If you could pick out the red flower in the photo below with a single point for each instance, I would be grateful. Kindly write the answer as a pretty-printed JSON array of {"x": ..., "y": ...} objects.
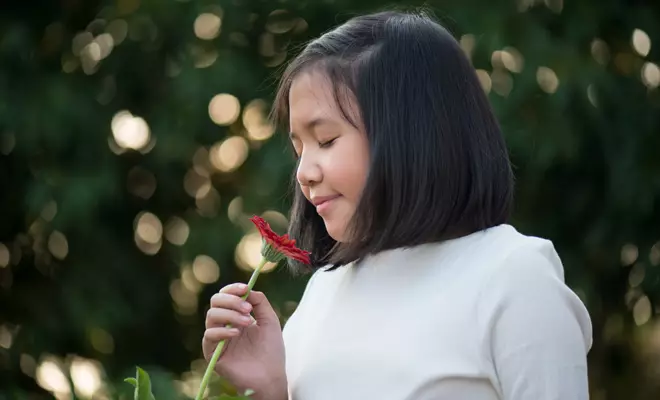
[{"x": 275, "y": 247}]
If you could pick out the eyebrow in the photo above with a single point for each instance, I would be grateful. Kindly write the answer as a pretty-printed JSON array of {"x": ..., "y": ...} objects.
[{"x": 311, "y": 125}]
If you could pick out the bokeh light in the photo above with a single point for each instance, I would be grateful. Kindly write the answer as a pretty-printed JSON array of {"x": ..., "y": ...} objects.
[
  {"x": 555, "y": 6},
  {"x": 177, "y": 231},
  {"x": 280, "y": 21},
  {"x": 185, "y": 299},
  {"x": 203, "y": 56},
  {"x": 629, "y": 254},
  {"x": 468, "y": 43},
  {"x": 49, "y": 211},
  {"x": 484, "y": 80},
  {"x": 224, "y": 109},
  {"x": 6, "y": 338},
  {"x": 50, "y": 376},
  {"x": 641, "y": 42},
  {"x": 101, "y": 340},
  {"x": 255, "y": 121},
  {"x": 201, "y": 163},
  {"x": 188, "y": 278},
  {"x": 5, "y": 256},
  {"x": 189, "y": 384},
  {"x": 591, "y": 95},
  {"x": 600, "y": 51},
  {"x": 149, "y": 227},
  {"x": 229, "y": 154},
  {"x": 58, "y": 245},
  {"x": 235, "y": 210},
  {"x": 28, "y": 365},
  {"x": 205, "y": 269},
  {"x": 651, "y": 75},
  {"x": 642, "y": 310},
  {"x": 502, "y": 83},
  {"x": 148, "y": 233},
  {"x": 267, "y": 44},
  {"x": 547, "y": 79},
  {"x": 248, "y": 253},
  {"x": 80, "y": 41},
  {"x": 654, "y": 254},
  {"x": 512, "y": 59},
  {"x": 130, "y": 132},
  {"x": 86, "y": 376},
  {"x": 195, "y": 184},
  {"x": 276, "y": 219},
  {"x": 118, "y": 29},
  {"x": 207, "y": 26},
  {"x": 208, "y": 203},
  {"x": 637, "y": 275}
]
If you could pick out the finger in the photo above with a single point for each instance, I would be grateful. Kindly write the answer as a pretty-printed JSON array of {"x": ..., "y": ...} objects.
[
  {"x": 237, "y": 289},
  {"x": 230, "y": 301},
  {"x": 219, "y": 317},
  {"x": 215, "y": 335},
  {"x": 262, "y": 309}
]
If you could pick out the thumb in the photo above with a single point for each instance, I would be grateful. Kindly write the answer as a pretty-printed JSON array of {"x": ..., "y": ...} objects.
[{"x": 262, "y": 310}]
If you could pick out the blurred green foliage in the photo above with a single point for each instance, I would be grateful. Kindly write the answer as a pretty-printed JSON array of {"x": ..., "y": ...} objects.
[{"x": 126, "y": 181}]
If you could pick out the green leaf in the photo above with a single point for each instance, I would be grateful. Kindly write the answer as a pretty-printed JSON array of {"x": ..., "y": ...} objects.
[
  {"x": 132, "y": 381},
  {"x": 143, "y": 388}
]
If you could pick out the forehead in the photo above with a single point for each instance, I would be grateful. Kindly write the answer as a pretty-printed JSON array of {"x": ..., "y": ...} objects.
[{"x": 311, "y": 97}]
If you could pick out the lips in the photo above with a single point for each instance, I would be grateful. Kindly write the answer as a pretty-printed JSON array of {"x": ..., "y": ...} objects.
[
  {"x": 323, "y": 203},
  {"x": 319, "y": 200}
]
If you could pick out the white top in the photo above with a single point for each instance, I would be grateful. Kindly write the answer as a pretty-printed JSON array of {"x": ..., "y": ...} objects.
[{"x": 484, "y": 317}]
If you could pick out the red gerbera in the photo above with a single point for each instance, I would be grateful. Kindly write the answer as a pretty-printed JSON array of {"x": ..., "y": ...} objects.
[{"x": 275, "y": 247}]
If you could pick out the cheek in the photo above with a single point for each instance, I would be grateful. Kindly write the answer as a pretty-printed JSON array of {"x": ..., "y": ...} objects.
[{"x": 350, "y": 177}]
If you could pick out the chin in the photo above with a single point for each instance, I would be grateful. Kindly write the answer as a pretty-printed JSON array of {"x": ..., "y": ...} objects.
[{"x": 335, "y": 232}]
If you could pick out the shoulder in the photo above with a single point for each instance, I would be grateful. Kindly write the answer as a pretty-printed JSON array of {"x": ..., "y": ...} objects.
[
  {"x": 523, "y": 287},
  {"x": 516, "y": 260},
  {"x": 525, "y": 311}
]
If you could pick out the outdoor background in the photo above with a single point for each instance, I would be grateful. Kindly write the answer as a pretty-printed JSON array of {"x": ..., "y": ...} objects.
[{"x": 133, "y": 150}]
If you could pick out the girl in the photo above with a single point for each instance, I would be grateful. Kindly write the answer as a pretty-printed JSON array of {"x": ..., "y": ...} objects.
[{"x": 422, "y": 290}]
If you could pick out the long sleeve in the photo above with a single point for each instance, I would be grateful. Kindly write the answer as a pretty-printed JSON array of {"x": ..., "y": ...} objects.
[{"x": 536, "y": 331}]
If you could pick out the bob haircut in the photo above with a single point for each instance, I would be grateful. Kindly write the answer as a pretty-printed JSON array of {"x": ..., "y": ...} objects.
[{"x": 439, "y": 167}]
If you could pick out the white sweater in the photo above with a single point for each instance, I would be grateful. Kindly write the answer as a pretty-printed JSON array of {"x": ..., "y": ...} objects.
[{"x": 484, "y": 317}]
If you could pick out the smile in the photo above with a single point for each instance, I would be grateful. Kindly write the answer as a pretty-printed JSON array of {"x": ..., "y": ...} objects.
[{"x": 325, "y": 204}]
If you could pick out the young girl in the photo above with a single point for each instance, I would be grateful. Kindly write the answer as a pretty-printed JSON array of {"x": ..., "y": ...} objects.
[{"x": 421, "y": 289}]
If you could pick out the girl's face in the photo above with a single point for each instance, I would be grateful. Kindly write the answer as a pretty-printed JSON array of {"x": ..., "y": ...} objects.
[{"x": 333, "y": 154}]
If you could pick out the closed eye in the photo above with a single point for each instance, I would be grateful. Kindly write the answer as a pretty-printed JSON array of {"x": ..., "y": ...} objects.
[{"x": 327, "y": 143}]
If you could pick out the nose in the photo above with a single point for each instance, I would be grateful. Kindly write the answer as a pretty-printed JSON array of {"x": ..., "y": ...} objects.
[{"x": 308, "y": 172}]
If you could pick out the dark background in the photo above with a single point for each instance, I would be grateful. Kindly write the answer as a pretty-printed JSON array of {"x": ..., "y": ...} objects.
[{"x": 126, "y": 185}]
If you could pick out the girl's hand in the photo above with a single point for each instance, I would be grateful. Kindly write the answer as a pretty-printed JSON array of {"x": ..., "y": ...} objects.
[{"x": 253, "y": 356}]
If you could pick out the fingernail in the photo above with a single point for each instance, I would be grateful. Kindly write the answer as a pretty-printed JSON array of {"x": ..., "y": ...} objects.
[
  {"x": 242, "y": 286},
  {"x": 246, "y": 319},
  {"x": 246, "y": 306}
]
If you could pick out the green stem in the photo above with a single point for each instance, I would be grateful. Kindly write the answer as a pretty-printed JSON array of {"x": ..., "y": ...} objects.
[{"x": 221, "y": 345}]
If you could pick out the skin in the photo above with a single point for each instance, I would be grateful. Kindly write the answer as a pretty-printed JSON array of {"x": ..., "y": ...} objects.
[
  {"x": 333, "y": 157},
  {"x": 333, "y": 154},
  {"x": 253, "y": 357}
]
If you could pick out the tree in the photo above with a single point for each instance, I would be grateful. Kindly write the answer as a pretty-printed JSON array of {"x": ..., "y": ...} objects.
[{"x": 133, "y": 148}]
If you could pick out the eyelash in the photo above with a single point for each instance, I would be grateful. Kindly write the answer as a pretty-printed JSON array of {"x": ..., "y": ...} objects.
[
  {"x": 322, "y": 145},
  {"x": 327, "y": 144}
]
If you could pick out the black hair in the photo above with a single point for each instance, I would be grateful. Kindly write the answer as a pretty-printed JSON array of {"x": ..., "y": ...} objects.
[{"x": 439, "y": 166}]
